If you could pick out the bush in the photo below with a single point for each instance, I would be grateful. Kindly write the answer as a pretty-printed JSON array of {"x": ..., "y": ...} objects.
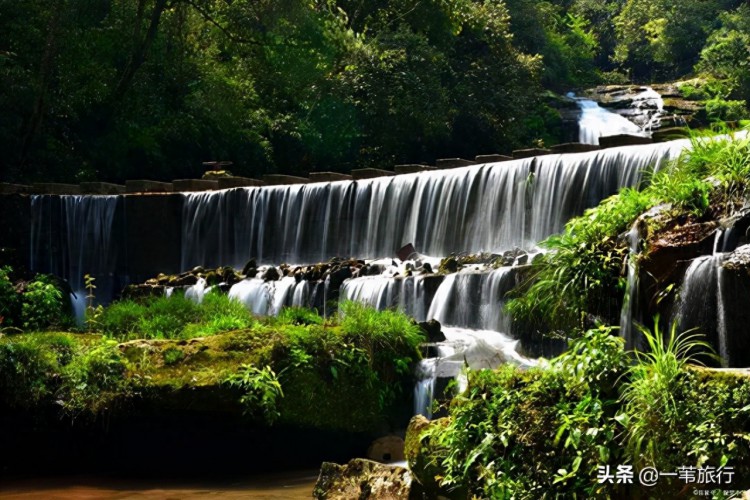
[
  {"x": 121, "y": 318},
  {"x": 42, "y": 304},
  {"x": 10, "y": 304},
  {"x": 261, "y": 390},
  {"x": 299, "y": 316},
  {"x": 719, "y": 109}
]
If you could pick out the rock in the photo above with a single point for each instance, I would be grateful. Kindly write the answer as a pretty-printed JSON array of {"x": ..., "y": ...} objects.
[
  {"x": 739, "y": 260},
  {"x": 250, "y": 267},
  {"x": 337, "y": 277},
  {"x": 448, "y": 265},
  {"x": 406, "y": 252},
  {"x": 426, "y": 268},
  {"x": 362, "y": 479},
  {"x": 386, "y": 449},
  {"x": 433, "y": 330},
  {"x": 271, "y": 274},
  {"x": 216, "y": 174}
]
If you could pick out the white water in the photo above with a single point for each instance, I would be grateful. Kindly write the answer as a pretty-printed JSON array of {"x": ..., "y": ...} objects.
[
  {"x": 382, "y": 292},
  {"x": 491, "y": 207},
  {"x": 631, "y": 290},
  {"x": 463, "y": 348},
  {"x": 596, "y": 121},
  {"x": 267, "y": 298}
]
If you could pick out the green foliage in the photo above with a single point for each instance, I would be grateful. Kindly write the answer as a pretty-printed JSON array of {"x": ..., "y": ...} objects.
[
  {"x": 10, "y": 302},
  {"x": 173, "y": 355},
  {"x": 121, "y": 318},
  {"x": 545, "y": 432},
  {"x": 42, "y": 304},
  {"x": 93, "y": 314},
  {"x": 719, "y": 109},
  {"x": 299, "y": 316},
  {"x": 261, "y": 390}
]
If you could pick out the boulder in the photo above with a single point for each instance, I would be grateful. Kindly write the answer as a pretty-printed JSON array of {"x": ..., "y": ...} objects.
[
  {"x": 386, "y": 449},
  {"x": 271, "y": 274},
  {"x": 433, "y": 330},
  {"x": 362, "y": 479},
  {"x": 250, "y": 269}
]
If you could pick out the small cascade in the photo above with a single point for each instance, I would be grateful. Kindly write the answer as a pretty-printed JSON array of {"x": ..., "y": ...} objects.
[
  {"x": 267, "y": 298},
  {"x": 646, "y": 109},
  {"x": 700, "y": 301},
  {"x": 197, "y": 292},
  {"x": 596, "y": 122},
  {"x": 631, "y": 290},
  {"x": 474, "y": 299},
  {"x": 463, "y": 347},
  {"x": 72, "y": 236},
  {"x": 407, "y": 294}
]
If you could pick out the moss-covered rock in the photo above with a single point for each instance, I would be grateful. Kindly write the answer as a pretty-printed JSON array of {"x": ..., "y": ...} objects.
[{"x": 362, "y": 479}]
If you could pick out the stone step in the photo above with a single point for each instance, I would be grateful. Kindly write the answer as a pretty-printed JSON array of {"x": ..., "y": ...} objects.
[
  {"x": 574, "y": 147},
  {"x": 101, "y": 188},
  {"x": 528, "y": 153},
  {"x": 54, "y": 188},
  {"x": 182, "y": 185},
  {"x": 492, "y": 158},
  {"x": 412, "y": 168},
  {"x": 445, "y": 163},
  {"x": 329, "y": 177},
  {"x": 613, "y": 141},
  {"x": 6, "y": 188},
  {"x": 146, "y": 186},
  {"x": 281, "y": 179},
  {"x": 370, "y": 173},
  {"x": 232, "y": 182}
]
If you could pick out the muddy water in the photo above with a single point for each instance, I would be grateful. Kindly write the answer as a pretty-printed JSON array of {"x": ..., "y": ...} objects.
[{"x": 290, "y": 485}]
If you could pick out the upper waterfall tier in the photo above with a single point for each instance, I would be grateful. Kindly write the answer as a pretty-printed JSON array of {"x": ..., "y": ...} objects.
[{"x": 487, "y": 207}]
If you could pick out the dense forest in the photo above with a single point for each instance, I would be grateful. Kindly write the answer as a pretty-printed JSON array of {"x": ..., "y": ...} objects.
[{"x": 115, "y": 89}]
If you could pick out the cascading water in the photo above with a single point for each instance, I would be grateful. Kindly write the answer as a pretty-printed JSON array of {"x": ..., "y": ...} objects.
[
  {"x": 490, "y": 207},
  {"x": 72, "y": 236},
  {"x": 596, "y": 121},
  {"x": 631, "y": 289},
  {"x": 267, "y": 298}
]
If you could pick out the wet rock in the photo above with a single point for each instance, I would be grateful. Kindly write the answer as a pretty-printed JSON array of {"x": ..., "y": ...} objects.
[
  {"x": 432, "y": 329},
  {"x": 448, "y": 265},
  {"x": 739, "y": 260},
  {"x": 184, "y": 280},
  {"x": 337, "y": 277},
  {"x": 362, "y": 479},
  {"x": 680, "y": 243},
  {"x": 426, "y": 268},
  {"x": 386, "y": 449},
  {"x": 250, "y": 267},
  {"x": 271, "y": 274}
]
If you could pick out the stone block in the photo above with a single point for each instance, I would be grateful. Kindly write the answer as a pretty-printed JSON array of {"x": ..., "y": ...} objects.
[
  {"x": 280, "y": 179},
  {"x": 370, "y": 173},
  {"x": 54, "y": 188},
  {"x": 574, "y": 147},
  {"x": 101, "y": 188},
  {"x": 443, "y": 163},
  {"x": 146, "y": 186},
  {"x": 232, "y": 182},
  {"x": 329, "y": 177},
  {"x": 613, "y": 141},
  {"x": 6, "y": 188},
  {"x": 182, "y": 185},
  {"x": 412, "y": 168},
  {"x": 492, "y": 158},
  {"x": 528, "y": 153}
]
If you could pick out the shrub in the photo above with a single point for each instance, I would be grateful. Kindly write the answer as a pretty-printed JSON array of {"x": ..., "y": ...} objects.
[
  {"x": 261, "y": 390},
  {"x": 299, "y": 316},
  {"x": 121, "y": 318},
  {"x": 42, "y": 304},
  {"x": 10, "y": 303},
  {"x": 719, "y": 109}
]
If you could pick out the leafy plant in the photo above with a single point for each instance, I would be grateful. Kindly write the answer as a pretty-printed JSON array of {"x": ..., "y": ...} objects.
[
  {"x": 10, "y": 303},
  {"x": 261, "y": 389},
  {"x": 93, "y": 314},
  {"x": 42, "y": 304}
]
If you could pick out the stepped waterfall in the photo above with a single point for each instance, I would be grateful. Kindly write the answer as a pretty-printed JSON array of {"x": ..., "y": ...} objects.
[{"x": 493, "y": 207}]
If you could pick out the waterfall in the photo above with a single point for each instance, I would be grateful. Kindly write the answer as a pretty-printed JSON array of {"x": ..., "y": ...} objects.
[
  {"x": 596, "y": 122},
  {"x": 72, "y": 236},
  {"x": 700, "y": 301},
  {"x": 474, "y": 300},
  {"x": 267, "y": 298},
  {"x": 490, "y": 207},
  {"x": 631, "y": 289},
  {"x": 382, "y": 292},
  {"x": 646, "y": 109}
]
